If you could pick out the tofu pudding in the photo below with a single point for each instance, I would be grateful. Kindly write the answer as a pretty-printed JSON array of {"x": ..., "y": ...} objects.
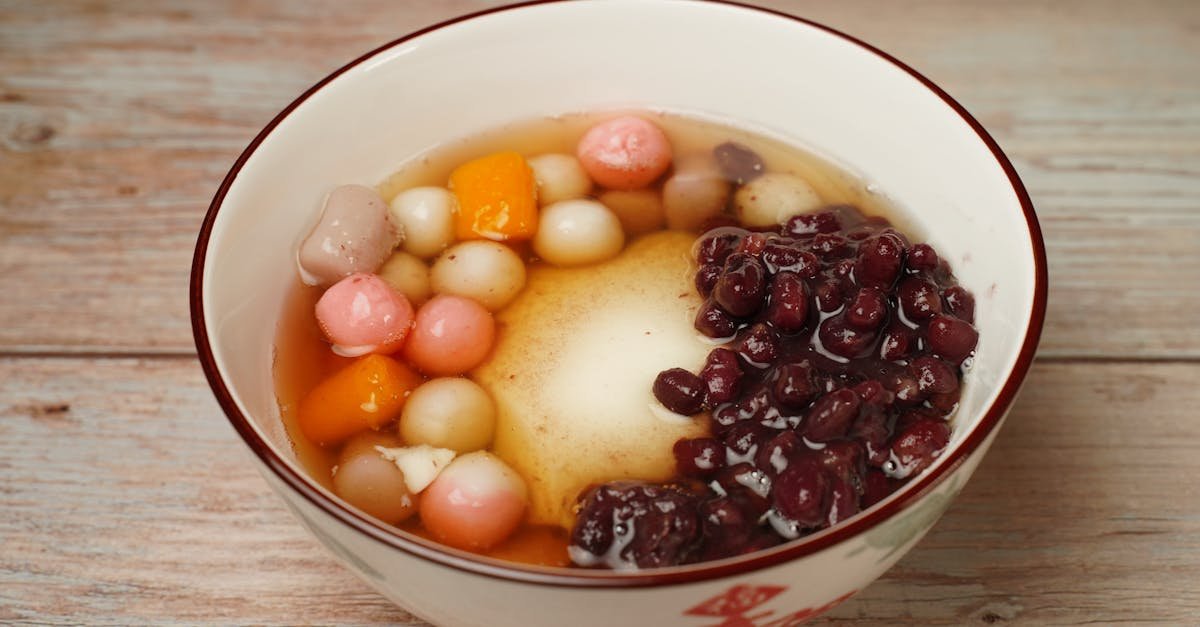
[
  {"x": 624, "y": 340},
  {"x": 571, "y": 376}
]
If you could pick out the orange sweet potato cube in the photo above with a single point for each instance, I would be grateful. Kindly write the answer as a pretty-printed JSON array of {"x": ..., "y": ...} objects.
[
  {"x": 497, "y": 198},
  {"x": 367, "y": 394}
]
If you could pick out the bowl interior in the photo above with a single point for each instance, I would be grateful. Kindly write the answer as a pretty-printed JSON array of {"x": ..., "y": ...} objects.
[{"x": 782, "y": 77}]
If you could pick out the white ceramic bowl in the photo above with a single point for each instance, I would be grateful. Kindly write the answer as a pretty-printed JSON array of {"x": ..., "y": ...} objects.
[{"x": 769, "y": 72}]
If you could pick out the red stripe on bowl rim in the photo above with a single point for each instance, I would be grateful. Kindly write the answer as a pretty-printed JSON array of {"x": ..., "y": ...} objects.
[{"x": 580, "y": 578}]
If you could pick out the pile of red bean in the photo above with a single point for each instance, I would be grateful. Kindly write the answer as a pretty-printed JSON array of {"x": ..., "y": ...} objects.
[{"x": 843, "y": 351}]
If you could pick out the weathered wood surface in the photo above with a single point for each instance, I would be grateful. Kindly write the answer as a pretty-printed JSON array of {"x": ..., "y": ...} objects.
[
  {"x": 125, "y": 498},
  {"x": 118, "y": 120}
]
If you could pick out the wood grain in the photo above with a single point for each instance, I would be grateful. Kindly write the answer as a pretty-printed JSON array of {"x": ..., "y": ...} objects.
[
  {"x": 122, "y": 482},
  {"x": 127, "y": 498},
  {"x": 118, "y": 120}
]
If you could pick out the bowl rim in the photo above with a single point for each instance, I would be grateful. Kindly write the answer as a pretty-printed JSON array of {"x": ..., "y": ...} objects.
[{"x": 561, "y": 577}]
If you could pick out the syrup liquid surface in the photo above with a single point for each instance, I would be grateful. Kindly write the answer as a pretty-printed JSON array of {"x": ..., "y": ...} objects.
[{"x": 303, "y": 356}]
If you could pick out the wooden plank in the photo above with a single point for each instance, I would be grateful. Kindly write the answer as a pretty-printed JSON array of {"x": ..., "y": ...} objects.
[
  {"x": 117, "y": 123},
  {"x": 1085, "y": 511},
  {"x": 118, "y": 120},
  {"x": 1090, "y": 103},
  {"x": 127, "y": 499}
]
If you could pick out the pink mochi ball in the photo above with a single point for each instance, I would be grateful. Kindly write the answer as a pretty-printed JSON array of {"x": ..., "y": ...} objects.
[
  {"x": 625, "y": 153},
  {"x": 362, "y": 314}
]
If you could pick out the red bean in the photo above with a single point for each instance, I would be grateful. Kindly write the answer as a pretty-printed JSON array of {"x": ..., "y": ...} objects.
[
  {"x": 742, "y": 285},
  {"x": 780, "y": 257},
  {"x": 876, "y": 487},
  {"x": 843, "y": 500},
  {"x": 922, "y": 258},
  {"x": 952, "y": 338},
  {"x": 841, "y": 339},
  {"x": 742, "y": 441},
  {"x": 933, "y": 375},
  {"x": 915, "y": 448},
  {"x": 706, "y": 278},
  {"x": 759, "y": 346},
  {"x": 960, "y": 302},
  {"x": 680, "y": 391},
  {"x": 898, "y": 342},
  {"x": 776, "y": 454},
  {"x": 830, "y": 246},
  {"x": 716, "y": 246},
  {"x": 946, "y": 402},
  {"x": 873, "y": 392},
  {"x": 879, "y": 261},
  {"x": 871, "y": 429},
  {"x": 738, "y": 164},
  {"x": 868, "y": 309},
  {"x": 918, "y": 299},
  {"x": 722, "y": 375},
  {"x": 699, "y": 457},
  {"x": 906, "y": 388},
  {"x": 828, "y": 296},
  {"x": 794, "y": 387},
  {"x": 787, "y": 305},
  {"x": 831, "y": 415},
  {"x": 800, "y": 493},
  {"x": 713, "y": 322},
  {"x": 810, "y": 224}
]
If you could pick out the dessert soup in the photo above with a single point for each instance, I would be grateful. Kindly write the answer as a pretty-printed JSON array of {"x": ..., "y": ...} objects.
[{"x": 618, "y": 340}]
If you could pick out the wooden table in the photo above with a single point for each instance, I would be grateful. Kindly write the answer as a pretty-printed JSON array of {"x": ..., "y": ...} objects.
[{"x": 126, "y": 498}]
